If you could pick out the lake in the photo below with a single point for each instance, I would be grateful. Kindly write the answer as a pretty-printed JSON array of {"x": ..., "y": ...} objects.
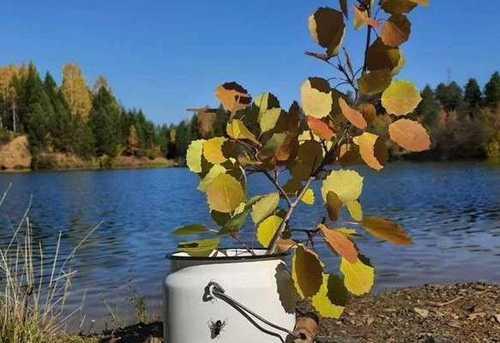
[{"x": 452, "y": 211}]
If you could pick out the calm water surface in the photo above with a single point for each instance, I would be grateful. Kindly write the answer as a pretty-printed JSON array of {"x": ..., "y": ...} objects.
[{"x": 452, "y": 210}]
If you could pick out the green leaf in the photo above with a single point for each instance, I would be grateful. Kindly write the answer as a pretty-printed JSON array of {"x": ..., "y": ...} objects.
[
  {"x": 267, "y": 229},
  {"x": 225, "y": 193},
  {"x": 193, "y": 155},
  {"x": 187, "y": 230},
  {"x": 203, "y": 247},
  {"x": 264, "y": 207}
]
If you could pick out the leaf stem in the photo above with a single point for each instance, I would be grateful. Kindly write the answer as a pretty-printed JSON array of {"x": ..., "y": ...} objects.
[{"x": 275, "y": 182}]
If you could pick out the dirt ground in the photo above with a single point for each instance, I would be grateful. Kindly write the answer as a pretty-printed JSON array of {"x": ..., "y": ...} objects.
[{"x": 465, "y": 313}]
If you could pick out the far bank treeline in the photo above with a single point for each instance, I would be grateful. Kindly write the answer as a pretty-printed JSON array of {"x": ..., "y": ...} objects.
[
  {"x": 74, "y": 118},
  {"x": 89, "y": 122}
]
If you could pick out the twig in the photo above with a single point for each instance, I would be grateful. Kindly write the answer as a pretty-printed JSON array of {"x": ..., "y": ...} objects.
[
  {"x": 437, "y": 304},
  {"x": 276, "y": 184}
]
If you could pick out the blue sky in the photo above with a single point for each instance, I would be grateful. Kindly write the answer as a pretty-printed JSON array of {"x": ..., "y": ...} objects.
[{"x": 166, "y": 55}]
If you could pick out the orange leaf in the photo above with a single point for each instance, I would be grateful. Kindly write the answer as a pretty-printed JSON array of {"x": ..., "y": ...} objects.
[
  {"x": 368, "y": 111},
  {"x": 396, "y": 30},
  {"x": 340, "y": 243},
  {"x": 386, "y": 230},
  {"x": 354, "y": 117},
  {"x": 233, "y": 96},
  {"x": 320, "y": 128},
  {"x": 410, "y": 135},
  {"x": 372, "y": 150},
  {"x": 361, "y": 19},
  {"x": 285, "y": 244}
]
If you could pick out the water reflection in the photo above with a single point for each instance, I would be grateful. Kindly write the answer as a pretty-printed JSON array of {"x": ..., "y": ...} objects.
[{"x": 451, "y": 210}]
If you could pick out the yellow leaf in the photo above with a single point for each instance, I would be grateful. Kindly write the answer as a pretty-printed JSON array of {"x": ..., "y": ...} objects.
[
  {"x": 193, "y": 155},
  {"x": 358, "y": 277},
  {"x": 410, "y": 135},
  {"x": 215, "y": 171},
  {"x": 236, "y": 129},
  {"x": 225, "y": 194},
  {"x": 307, "y": 271},
  {"x": 355, "y": 210},
  {"x": 386, "y": 230},
  {"x": 401, "y": 98},
  {"x": 346, "y": 184},
  {"x": 317, "y": 98},
  {"x": 267, "y": 229},
  {"x": 264, "y": 207},
  {"x": 212, "y": 150},
  {"x": 332, "y": 297},
  {"x": 308, "y": 197},
  {"x": 269, "y": 118}
]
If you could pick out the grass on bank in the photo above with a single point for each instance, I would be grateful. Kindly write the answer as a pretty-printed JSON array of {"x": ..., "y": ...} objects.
[{"x": 32, "y": 299}]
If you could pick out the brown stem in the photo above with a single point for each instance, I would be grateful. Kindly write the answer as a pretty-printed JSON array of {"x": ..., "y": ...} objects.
[
  {"x": 280, "y": 189},
  {"x": 368, "y": 36},
  {"x": 273, "y": 246}
]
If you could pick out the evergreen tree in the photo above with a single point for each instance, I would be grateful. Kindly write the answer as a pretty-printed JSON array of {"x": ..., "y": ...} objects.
[
  {"x": 429, "y": 106},
  {"x": 105, "y": 123},
  {"x": 36, "y": 109},
  {"x": 450, "y": 96},
  {"x": 472, "y": 94},
  {"x": 492, "y": 90}
]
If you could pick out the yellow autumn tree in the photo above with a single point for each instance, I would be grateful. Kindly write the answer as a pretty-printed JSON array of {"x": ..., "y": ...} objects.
[
  {"x": 75, "y": 91},
  {"x": 8, "y": 92},
  {"x": 133, "y": 140}
]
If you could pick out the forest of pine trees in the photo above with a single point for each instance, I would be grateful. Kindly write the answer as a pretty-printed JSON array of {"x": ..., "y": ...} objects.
[
  {"x": 90, "y": 122},
  {"x": 72, "y": 118}
]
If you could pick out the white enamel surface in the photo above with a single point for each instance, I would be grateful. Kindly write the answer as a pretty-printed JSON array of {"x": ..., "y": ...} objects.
[{"x": 252, "y": 282}]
